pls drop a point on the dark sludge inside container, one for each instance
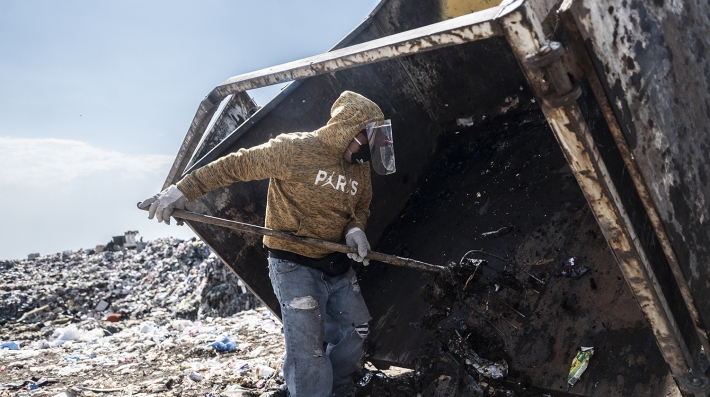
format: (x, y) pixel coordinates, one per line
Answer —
(500, 198)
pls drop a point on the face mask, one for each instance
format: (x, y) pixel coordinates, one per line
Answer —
(362, 155)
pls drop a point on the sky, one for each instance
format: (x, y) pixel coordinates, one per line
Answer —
(96, 98)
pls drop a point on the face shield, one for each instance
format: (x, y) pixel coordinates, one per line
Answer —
(379, 135)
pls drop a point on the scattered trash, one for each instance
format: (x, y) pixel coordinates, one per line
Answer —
(173, 306)
(264, 371)
(497, 233)
(130, 321)
(465, 121)
(579, 364)
(62, 335)
(571, 269)
(487, 368)
(113, 317)
(512, 102)
(101, 306)
(96, 390)
(223, 345)
(30, 313)
(10, 346)
(183, 277)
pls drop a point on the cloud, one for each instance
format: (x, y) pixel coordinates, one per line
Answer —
(48, 161)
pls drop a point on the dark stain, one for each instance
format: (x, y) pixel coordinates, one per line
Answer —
(702, 175)
(629, 62)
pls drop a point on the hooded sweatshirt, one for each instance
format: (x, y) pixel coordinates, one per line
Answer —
(313, 191)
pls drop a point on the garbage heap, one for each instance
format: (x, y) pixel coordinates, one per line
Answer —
(167, 318)
(183, 277)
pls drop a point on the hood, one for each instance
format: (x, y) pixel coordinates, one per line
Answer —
(349, 115)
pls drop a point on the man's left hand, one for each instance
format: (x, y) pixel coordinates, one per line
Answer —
(357, 238)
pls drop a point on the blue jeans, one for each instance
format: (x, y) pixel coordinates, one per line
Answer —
(316, 308)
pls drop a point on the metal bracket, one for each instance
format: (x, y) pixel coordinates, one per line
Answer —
(549, 57)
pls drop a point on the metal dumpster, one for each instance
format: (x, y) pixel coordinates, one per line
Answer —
(577, 128)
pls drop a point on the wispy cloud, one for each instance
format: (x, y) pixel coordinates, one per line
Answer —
(38, 162)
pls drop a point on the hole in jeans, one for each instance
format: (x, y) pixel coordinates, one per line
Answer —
(356, 286)
(303, 303)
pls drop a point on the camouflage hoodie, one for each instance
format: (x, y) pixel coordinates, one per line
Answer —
(313, 192)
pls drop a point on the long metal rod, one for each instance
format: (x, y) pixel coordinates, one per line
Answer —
(313, 242)
(472, 27)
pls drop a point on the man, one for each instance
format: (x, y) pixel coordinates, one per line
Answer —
(320, 188)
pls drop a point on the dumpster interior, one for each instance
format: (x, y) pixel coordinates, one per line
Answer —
(478, 168)
(510, 176)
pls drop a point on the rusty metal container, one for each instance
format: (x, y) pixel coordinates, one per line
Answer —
(582, 133)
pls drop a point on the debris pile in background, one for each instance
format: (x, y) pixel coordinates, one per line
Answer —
(131, 318)
(182, 277)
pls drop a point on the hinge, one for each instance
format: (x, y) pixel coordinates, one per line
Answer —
(549, 57)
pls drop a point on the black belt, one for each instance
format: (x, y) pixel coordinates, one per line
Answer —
(333, 265)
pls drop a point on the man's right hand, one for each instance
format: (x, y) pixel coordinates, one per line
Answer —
(164, 203)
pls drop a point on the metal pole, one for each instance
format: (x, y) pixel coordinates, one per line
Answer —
(313, 242)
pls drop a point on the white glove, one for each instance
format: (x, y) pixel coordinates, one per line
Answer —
(163, 204)
(356, 238)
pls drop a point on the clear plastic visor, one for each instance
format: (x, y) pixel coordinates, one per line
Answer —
(379, 135)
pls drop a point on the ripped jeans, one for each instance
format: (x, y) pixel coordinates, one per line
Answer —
(316, 308)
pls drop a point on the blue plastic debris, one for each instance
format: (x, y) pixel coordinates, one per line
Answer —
(10, 345)
(223, 345)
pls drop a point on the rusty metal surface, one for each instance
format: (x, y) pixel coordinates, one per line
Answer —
(651, 60)
(614, 140)
(590, 149)
(467, 28)
(464, 29)
(237, 109)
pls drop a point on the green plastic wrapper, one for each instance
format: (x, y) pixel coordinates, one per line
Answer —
(579, 364)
